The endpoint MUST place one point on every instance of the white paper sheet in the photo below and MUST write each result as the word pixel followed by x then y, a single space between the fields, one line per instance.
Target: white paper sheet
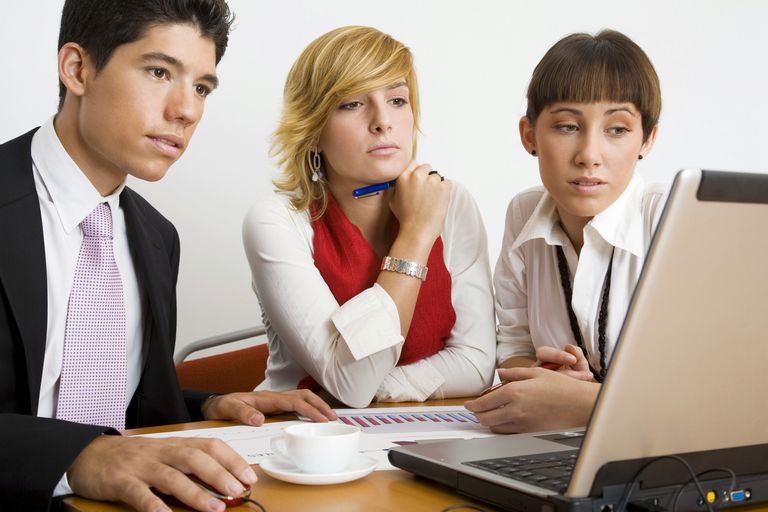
pixel 252 443
pixel 382 429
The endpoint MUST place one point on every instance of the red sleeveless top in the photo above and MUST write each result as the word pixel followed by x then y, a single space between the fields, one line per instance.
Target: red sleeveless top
pixel 349 265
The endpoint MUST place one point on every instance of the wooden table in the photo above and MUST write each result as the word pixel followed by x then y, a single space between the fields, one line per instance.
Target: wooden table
pixel 380 491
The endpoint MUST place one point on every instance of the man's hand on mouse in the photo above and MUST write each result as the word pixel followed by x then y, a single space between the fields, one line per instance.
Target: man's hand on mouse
pixel 249 408
pixel 117 468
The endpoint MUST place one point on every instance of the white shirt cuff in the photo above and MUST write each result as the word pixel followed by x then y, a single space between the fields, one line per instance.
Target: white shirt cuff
pixel 413 382
pixel 62 488
pixel 368 322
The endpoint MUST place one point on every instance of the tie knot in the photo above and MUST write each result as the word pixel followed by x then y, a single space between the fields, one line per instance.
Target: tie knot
pixel 98 223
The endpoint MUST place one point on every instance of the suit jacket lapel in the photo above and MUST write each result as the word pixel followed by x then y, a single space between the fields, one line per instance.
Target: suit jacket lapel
pixel 158 398
pixel 151 262
pixel 22 258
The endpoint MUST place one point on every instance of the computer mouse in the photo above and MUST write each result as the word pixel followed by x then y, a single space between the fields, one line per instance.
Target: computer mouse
pixel 229 501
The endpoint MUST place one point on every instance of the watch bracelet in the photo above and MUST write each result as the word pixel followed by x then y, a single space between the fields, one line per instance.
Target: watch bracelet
pixel 401 266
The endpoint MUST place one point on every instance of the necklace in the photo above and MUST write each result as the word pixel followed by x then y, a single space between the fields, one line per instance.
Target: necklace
pixel 602 317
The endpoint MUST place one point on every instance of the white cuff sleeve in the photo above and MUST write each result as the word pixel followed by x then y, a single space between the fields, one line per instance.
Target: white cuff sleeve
pixel 417 384
pixel 368 322
pixel 62 488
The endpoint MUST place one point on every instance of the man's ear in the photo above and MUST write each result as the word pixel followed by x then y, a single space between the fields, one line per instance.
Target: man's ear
pixel 74 68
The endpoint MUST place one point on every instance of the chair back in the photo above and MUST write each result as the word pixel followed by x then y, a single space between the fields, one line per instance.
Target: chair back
pixel 239 370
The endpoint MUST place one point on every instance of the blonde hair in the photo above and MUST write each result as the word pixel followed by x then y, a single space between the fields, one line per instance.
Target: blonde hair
pixel 342 63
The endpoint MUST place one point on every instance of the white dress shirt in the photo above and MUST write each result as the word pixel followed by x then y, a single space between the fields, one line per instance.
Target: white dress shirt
pixel 66 197
pixel 352 350
pixel 530 304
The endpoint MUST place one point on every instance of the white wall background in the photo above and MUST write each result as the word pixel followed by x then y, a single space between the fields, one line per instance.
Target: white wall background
pixel 474 60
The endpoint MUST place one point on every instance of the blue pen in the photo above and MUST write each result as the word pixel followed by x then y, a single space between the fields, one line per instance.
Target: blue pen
pixel 372 190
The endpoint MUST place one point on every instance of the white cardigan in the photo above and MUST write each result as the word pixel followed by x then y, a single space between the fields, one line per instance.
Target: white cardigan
pixel 352 350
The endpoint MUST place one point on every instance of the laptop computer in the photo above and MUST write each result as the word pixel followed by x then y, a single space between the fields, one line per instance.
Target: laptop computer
pixel 688 378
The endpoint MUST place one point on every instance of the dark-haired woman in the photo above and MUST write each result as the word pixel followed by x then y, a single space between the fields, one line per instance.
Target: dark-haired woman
pixel 574 248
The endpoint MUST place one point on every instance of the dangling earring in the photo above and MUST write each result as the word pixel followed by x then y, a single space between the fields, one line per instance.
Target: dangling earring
pixel 315 162
pixel 639 157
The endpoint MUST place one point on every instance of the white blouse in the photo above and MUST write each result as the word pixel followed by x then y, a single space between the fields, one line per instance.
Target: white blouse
pixel 530 304
pixel 352 350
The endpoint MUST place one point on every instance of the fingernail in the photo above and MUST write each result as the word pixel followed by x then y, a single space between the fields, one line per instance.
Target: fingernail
pixel 235 489
pixel 215 505
pixel 257 419
pixel 248 476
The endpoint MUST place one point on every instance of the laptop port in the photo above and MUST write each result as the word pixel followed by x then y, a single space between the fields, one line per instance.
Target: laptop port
pixel 739 495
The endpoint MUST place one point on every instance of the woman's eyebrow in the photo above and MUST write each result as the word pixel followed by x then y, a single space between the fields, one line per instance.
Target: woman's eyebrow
pixel 620 109
pixel 570 110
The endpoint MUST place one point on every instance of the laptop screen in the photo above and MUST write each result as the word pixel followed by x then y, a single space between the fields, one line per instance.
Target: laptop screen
pixel 694 345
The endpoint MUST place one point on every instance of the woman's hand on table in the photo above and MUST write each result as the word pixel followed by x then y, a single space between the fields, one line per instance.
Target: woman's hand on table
pixel 535 399
pixel 570 361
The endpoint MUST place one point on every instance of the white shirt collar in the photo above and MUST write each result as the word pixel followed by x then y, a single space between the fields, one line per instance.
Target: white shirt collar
pixel 620 224
pixel 72 194
pixel 544 223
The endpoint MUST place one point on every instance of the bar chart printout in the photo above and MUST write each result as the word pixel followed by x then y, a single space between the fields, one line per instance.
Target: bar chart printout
pixel 411 419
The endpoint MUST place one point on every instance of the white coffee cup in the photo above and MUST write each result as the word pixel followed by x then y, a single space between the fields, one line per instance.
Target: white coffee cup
pixel 318 447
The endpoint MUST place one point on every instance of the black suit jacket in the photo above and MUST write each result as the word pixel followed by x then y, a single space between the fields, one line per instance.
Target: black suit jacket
pixel 36 452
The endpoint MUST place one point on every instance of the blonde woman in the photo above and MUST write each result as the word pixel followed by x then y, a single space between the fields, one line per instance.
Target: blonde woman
pixel 379 298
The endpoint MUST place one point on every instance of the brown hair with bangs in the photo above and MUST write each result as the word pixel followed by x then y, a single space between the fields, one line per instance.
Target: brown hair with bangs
pixel 608 66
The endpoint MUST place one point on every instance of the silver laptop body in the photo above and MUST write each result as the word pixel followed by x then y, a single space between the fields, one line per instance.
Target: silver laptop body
pixel 689 375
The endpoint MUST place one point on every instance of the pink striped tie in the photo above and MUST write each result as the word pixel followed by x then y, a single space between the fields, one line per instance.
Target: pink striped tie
pixel 94 368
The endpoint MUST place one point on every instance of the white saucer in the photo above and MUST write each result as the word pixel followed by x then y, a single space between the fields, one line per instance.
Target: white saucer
pixel 284 470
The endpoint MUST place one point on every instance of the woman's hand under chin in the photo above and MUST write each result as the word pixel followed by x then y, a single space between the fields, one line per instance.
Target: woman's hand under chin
pixel 420 203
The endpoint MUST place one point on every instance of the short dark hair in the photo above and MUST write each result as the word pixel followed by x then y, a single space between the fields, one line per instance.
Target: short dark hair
pixel 586 68
pixel 100 26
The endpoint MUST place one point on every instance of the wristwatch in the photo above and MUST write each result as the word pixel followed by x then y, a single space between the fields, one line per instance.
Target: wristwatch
pixel 409 268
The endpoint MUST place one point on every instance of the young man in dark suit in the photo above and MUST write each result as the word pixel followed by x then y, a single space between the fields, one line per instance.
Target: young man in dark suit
pixel 88 270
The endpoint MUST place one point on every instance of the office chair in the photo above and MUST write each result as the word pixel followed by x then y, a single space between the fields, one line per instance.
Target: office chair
pixel 238 370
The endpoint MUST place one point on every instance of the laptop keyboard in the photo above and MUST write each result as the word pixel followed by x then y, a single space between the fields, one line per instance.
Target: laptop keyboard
pixel 549 470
